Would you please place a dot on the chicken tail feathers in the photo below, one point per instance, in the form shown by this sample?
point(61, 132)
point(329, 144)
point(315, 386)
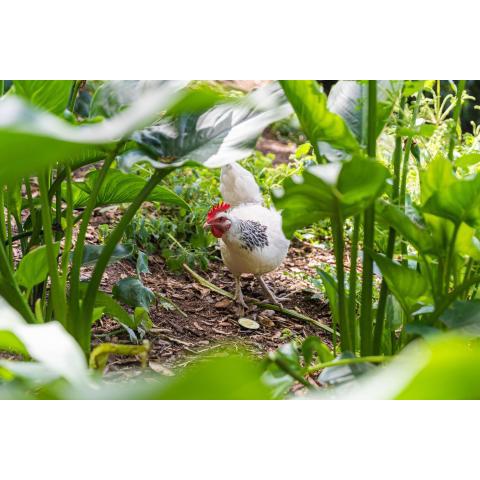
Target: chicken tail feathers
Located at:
point(238, 186)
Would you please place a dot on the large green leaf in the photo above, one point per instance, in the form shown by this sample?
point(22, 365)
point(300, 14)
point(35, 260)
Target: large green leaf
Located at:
point(119, 187)
point(132, 292)
point(446, 367)
point(349, 100)
point(394, 217)
point(33, 267)
point(91, 253)
point(355, 184)
point(410, 288)
point(459, 202)
point(223, 134)
point(317, 121)
point(50, 95)
point(463, 316)
point(49, 344)
point(437, 177)
point(114, 96)
point(232, 377)
point(24, 130)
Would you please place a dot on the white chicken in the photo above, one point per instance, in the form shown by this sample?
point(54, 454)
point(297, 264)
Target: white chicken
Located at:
point(251, 236)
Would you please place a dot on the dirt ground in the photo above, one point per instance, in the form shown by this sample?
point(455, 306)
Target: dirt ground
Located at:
point(209, 320)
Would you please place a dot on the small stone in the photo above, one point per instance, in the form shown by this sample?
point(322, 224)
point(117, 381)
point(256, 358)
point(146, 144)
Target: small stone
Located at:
point(248, 323)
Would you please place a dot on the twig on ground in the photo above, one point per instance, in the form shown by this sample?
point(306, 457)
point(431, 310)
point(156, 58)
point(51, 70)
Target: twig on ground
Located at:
point(266, 306)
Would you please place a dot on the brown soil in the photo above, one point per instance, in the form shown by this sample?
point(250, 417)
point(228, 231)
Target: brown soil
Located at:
point(211, 319)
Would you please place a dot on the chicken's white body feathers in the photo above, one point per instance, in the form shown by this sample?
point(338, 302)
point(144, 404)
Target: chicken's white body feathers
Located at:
point(255, 243)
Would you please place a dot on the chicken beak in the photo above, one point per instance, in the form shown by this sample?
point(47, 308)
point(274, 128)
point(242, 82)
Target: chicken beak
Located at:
point(207, 226)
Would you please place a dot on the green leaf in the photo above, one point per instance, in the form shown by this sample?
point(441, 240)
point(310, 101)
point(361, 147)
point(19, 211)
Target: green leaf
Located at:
point(394, 217)
point(468, 160)
point(49, 344)
point(313, 345)
point(111, 307)
point(132, 292)
point(437, 177)
point(142, 263)
point(223, 134)
point(232, 377)
point(444, 367)
point(341, 374)
point(91, 253)
point(24, 130)
point(355, 184)
point(460, 202)
point(33, 267)
point(410, 288)
point(463, 316)
point(331, 289)
point(119, 187)
point(50, 95)
point(318, 123)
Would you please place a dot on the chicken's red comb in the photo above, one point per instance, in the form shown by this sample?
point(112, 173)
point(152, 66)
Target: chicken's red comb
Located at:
point(221, 207)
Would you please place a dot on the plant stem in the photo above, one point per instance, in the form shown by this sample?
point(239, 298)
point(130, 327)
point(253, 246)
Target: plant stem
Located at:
point(80, 245)
point(74, 93)
point(456, 117)
point(382, 301)
point(338, 242)
point(57, 293)
point(102, 262)
point(369, 232)
point(451, 256)
point(3, 227)
point(352, 285)
point(348, 361)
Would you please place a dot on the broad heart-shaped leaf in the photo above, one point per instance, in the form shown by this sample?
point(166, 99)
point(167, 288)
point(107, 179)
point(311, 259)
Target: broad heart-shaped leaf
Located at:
point(49, 344)
point(119, 187)
point(24, 129)
point(50, 95)
point(114, 96)
point(222, 135)
point(349, 100)
point(438, 176)
point(91, 253)
point(232, 377)
point(394, 217)
point(463, 316)
point(33, 267)
point(410, 288)
point(317, 121)
point(132, 292)
point(459, 202)
point(444, 367)
point(355, 184)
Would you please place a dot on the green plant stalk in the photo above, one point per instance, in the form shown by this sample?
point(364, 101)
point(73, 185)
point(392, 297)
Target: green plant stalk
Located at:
point(382, 301)
point(31, 205)
point(74, 94)
point(468, 270)
point(2, 87)
point(69, 227)
point(451, 256)
point(456, 118)
point(102, 262)
point(9, 237)
point(369, 232)
point(57, 292)
point(58, 211)
point(348, 361)
point(3, 227)
point(77, 259)
point(8, 276)
point(406, 158)
point(339, 245)
point(352, 285)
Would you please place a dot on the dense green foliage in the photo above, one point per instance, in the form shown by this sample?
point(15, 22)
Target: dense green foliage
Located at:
point(385, 168)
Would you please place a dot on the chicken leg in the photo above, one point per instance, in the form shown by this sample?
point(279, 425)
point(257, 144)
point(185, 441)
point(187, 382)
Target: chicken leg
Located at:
point(268, 292)
point(238, 293)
